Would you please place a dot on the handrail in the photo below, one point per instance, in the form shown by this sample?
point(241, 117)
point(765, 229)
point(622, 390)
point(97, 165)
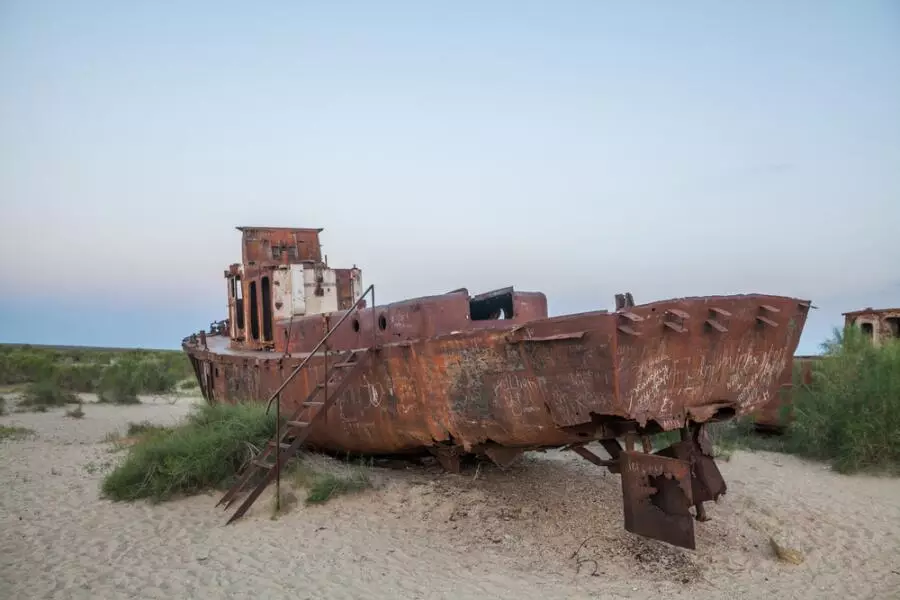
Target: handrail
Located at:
point(351, 310)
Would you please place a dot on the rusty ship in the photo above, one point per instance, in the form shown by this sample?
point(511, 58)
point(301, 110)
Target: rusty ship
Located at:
point(491, 375)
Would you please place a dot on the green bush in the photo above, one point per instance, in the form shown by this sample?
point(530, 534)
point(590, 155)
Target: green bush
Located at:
point(47, 393)
point(78, 377)
point(188, 384)
point(206, 451)
point(118, 385)
point(144, 428)
point(850, 414)
point(24, 364)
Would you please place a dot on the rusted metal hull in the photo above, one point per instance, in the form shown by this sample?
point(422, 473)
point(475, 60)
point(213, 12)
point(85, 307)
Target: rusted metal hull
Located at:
point(773, 416)
point(542, 383)
point(492, 375)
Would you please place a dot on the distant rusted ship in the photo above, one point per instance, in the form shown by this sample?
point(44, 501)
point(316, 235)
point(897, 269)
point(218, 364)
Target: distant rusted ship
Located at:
point(457, 375)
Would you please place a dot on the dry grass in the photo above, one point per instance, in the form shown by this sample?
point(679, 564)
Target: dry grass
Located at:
point(325, 478)
point(14, 433)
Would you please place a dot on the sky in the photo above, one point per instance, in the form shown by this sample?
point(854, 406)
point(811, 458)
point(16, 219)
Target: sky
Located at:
point(578, 148)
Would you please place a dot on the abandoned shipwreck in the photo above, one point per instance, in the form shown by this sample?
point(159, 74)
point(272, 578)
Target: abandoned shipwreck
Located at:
point(491, 374)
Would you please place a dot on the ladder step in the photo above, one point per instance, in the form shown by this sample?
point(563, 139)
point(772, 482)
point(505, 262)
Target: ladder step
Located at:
point(282, 445)
point(263, 464)
point(297, 423)
point(344, 365)
point(313, 403)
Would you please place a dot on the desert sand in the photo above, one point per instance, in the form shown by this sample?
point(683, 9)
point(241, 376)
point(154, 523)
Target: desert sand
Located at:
point(548, 527)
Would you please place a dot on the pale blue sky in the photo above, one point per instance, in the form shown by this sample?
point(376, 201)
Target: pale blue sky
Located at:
point(576, 148)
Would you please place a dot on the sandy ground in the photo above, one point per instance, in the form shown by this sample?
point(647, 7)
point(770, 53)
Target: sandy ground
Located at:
point(425, 534)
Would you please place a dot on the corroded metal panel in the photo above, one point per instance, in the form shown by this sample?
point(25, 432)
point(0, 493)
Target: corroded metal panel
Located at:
point(283, 298)
point(656, 493)
point(777, 412)
point(408, 320)
point(714, 353)
point(279, 245)
point(349, 287)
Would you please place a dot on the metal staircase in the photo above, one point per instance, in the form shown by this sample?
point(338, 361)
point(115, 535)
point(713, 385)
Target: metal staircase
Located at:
point(267, 466)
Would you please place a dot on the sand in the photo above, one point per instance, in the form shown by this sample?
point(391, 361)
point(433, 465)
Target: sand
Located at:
point(422, 533)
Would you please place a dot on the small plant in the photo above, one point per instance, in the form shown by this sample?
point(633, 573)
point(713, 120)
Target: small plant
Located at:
point(92, 467)
point(76, 413)
point(46, 394)
point(329, 485)
point(188, 384)
point(325, 479)
point(14, 433)
point(2, 405)
point(144, 428)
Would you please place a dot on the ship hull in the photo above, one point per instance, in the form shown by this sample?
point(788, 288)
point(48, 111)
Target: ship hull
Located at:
point(545, 383)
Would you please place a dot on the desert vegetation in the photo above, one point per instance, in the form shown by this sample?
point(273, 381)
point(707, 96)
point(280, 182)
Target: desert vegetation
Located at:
point(8, 432)
point(850, 414)
point(52, 376)
point(204, 452)
point(44, 394)
point(207, 451)
point(325, 478)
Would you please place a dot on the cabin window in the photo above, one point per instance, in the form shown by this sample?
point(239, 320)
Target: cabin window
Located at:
point(279, 251)
point(893, 325)
point(254, 312)
point(492, 305)
point(867, 329)
point(267, 309)
point(239, 302)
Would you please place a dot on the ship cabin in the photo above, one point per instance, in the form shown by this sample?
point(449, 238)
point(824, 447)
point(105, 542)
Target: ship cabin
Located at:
point(284, 297)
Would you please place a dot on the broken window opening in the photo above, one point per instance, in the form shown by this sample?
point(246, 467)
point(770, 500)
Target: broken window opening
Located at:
point(893, 326)
point(867, 329)
point(267, 309)
point(239, 302)
point(492, 305)
point(254, 312)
